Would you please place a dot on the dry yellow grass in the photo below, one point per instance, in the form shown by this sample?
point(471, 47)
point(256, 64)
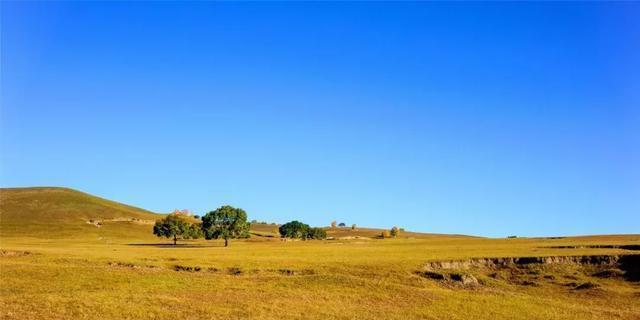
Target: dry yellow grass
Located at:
point(121, 271)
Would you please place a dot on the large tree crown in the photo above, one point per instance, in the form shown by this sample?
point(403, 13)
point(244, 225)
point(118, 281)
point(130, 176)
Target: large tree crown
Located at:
point(173, 225)
point(225, 222)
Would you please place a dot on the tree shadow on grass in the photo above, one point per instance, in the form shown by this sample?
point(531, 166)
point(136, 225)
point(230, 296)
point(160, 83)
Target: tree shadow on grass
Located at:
point(177, 246)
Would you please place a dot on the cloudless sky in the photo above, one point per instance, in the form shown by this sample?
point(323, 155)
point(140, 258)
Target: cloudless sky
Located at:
point(489, 119)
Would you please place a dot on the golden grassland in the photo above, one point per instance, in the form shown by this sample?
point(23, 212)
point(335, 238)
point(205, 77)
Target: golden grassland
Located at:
point(55, 265)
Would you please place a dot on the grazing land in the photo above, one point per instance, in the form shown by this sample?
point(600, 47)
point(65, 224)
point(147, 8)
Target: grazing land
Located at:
point(70, 255)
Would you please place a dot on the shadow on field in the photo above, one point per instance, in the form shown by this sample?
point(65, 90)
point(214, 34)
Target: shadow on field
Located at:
point(176, 246)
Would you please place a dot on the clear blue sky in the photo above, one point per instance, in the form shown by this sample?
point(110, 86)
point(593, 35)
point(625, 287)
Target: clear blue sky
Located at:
point(486, 119)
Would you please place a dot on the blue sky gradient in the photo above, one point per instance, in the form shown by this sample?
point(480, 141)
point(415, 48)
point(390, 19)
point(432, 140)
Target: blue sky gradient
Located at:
point(486, 119)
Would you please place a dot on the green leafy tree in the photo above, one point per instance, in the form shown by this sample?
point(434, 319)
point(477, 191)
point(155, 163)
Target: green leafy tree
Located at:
point(195, 231)
point(316, 233)
point(173, 226)
point(225, 223)
point(294, 229)
point(298, 230)
point(353, 226)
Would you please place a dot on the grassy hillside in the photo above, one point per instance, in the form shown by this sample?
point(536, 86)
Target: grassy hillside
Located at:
point(47, 212)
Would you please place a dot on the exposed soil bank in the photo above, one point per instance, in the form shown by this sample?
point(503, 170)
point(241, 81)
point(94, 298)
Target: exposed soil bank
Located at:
point(584, 272)
point(599, 246)
point(628, 263)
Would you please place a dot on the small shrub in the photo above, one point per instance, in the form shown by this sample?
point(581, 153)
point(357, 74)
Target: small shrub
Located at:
point(234, 271)
point(394, 231)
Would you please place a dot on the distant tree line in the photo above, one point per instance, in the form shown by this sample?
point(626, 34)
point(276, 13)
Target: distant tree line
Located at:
point(228, 222)
point(225, 223)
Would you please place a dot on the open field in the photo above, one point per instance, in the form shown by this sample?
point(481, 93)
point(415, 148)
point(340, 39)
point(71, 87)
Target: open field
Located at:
point(56, 265)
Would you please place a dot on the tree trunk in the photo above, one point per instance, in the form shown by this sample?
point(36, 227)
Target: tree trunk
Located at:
point(226, 242)
point(175, 240)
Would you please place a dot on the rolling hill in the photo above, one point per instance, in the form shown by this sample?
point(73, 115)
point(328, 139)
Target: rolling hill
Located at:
point(50, 212)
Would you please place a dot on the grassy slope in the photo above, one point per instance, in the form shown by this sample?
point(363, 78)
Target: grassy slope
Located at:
point(63, 213)
point(127, 273)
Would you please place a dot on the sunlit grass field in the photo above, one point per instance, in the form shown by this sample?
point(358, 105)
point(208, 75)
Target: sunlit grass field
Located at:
point(75, 270)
